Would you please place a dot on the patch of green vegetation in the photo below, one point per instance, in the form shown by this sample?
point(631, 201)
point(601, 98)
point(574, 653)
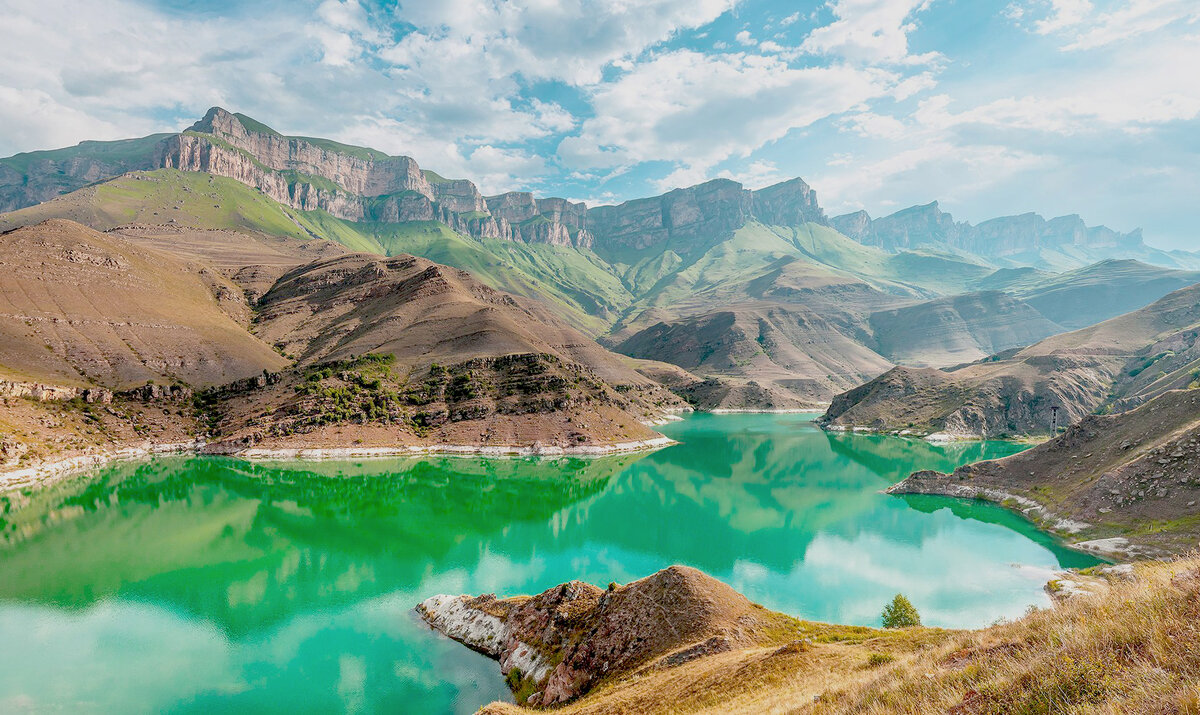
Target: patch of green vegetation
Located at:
point(253, 125)
point(126, 153)
point(521, 685)
point(320, 182)
point(900, 613)
point(361, 390)
point(433, 177)
point(1150, 361)
point(358, 152)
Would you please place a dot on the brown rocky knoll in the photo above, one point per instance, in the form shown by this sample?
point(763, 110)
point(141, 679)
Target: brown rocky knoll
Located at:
point(79, 307)
point(1125, 484)
point(1114, 365)
point(563, 643)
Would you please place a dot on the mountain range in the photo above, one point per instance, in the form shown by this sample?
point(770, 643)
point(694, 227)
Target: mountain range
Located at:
point(757, 291)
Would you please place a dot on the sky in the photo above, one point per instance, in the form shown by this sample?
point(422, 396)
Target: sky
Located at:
point(991, 108)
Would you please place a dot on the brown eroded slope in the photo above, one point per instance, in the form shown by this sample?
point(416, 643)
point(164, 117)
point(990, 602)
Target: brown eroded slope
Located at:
point(254, 261)
point(79, 307)
point(1116, 364)
point(957, 329)
point(1133, 476)
point(402, 351)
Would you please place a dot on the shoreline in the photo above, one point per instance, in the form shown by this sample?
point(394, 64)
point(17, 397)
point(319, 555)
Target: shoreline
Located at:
point(934, 437)
point(48, 472)
point(785, 411)
point(1118, 548)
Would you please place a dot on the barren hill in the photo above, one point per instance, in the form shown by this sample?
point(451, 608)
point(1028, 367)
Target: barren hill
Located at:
point(1133, 476)
point(80, 307)
point(1113, 365)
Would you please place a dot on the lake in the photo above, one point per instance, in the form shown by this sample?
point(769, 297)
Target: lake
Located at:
point(201, 585)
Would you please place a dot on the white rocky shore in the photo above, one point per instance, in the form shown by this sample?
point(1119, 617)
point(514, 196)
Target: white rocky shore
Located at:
point(48, 471)
point(481, 631)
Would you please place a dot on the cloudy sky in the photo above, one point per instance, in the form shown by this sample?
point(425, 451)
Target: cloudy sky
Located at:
point(992, 108)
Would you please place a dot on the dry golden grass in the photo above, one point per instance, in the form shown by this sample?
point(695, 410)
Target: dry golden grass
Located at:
point(1134, 649)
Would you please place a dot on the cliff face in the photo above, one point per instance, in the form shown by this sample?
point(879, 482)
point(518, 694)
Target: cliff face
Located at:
point(359, 184)
point(1004, 236)
point(709, 209)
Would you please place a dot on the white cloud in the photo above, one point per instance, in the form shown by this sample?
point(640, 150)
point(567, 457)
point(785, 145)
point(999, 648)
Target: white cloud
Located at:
point(869, 124)
point(1139, 87)
point(343, 30)
point(745, 38)
point(756, 175)
point(1064, 13)
point(936, 168)
point(572, 41)
point(31, 118)
point(869, 31)
point(697, 110)
point(1136, 18)
point(1084, 27)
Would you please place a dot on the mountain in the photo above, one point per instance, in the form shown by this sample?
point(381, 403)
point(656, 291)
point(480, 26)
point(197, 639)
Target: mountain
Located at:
point(287, 344)
point(753, 290)
point(1086, 296)
point(1106, 477)
point(1114, 365)
point(958, 329)
point(37, 176)
point(1028, 239)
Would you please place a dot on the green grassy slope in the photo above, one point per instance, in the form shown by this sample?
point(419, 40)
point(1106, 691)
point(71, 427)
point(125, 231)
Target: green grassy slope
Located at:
point(124, 151)
point(574, 282)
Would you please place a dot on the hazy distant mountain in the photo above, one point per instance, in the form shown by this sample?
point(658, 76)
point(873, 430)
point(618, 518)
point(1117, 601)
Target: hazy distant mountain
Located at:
point(1111, 366)
point(1025, 240)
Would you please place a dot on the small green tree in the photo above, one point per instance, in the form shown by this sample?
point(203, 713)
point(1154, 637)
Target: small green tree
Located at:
point(900, 613)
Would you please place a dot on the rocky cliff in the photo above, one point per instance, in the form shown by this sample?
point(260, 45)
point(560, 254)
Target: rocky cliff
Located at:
point(709, 210)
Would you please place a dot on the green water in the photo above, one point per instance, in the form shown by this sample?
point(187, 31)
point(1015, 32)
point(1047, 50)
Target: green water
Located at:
point(215, 585)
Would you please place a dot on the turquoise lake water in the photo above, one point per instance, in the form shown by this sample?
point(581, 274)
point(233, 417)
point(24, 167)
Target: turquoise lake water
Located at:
point(200, 585)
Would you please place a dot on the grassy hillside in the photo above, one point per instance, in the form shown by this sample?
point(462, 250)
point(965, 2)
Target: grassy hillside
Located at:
point(120, 152)
point(575, 282)
point(1127, 644)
